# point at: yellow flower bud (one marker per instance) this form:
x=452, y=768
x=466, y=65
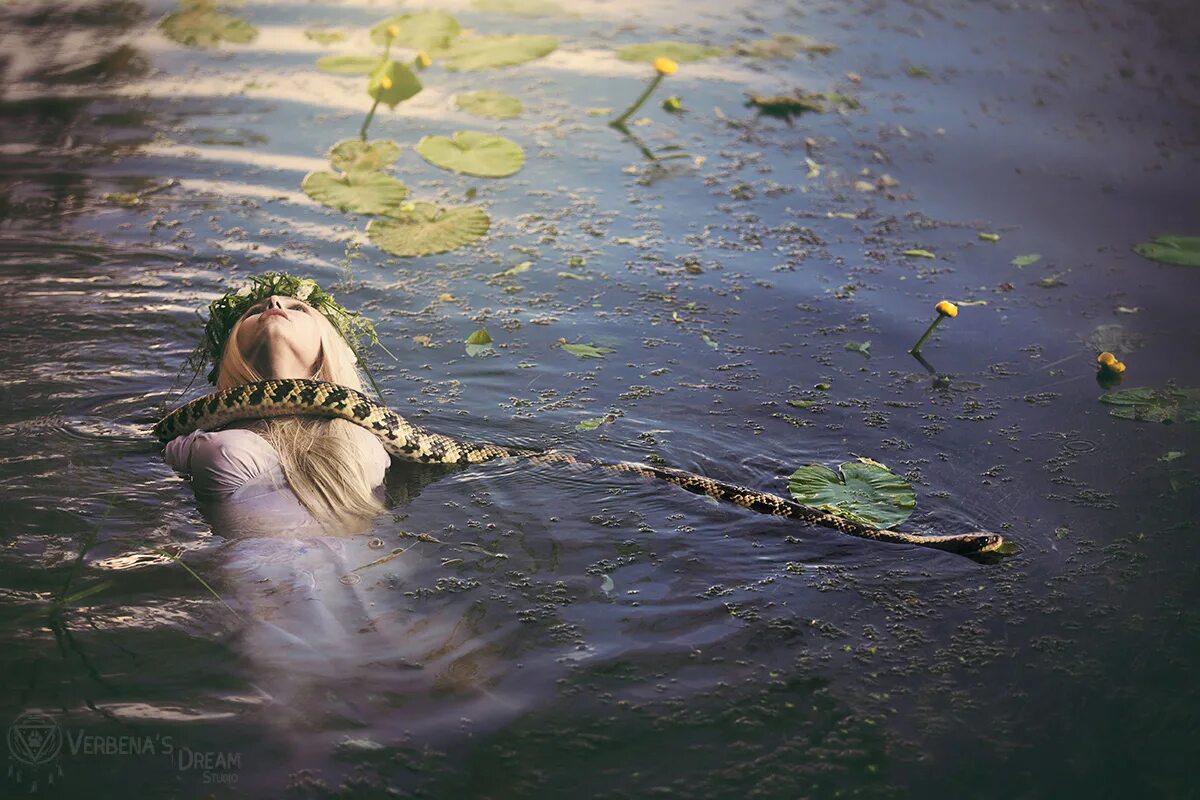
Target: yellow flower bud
x=423, y=59
x=665, y=66
x=946, y=309
x=393, y=31
x=385, y=82
x=1106, y=359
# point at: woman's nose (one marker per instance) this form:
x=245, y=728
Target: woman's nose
x=274, y=301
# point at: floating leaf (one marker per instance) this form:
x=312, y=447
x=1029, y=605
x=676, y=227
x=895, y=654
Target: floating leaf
x=1051, y=282
x=198, y=24
x=1026, y=260
x=519, y=8
x=516, y=270
x=676, y=51
x=859, y=347
x=989, y=237
x=587, y=350
x=708, y=340
x=392, y=83
x=487, y=52
x=1145, y=404
x=783, y=46
x=351, y=155
x=324, y=37
x=918, y=72
x=1171, y=455
x=425, y=229
x=473, y=153
x=919, y=254
x=1127, y=309
x=478, y=342
x=865, y=491
x=1183, y=251
x=494, y=105
x=1115, y=339
x=595, y=422
x=423, y=30
x=355, y=192
x=348, y=65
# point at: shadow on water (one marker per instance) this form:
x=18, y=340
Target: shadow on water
x=517, y=631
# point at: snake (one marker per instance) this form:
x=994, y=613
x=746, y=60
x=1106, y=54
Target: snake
x=406, y=441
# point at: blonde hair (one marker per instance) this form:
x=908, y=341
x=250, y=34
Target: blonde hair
x=321, y=458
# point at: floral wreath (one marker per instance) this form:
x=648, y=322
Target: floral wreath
x=224, y=313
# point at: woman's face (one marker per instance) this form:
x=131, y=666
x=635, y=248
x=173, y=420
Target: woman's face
x=281, y=337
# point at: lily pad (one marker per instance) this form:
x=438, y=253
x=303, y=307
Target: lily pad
x=487, y=52
x=864, y=491
x=473, y=153
x=392, y=83
x=676, y=51
x=487, y=103
x=478, y=343
x=423, y=30
x=859, y=347
x=1115, y=339
x=1183, y=251
x=1026, y=260
x=199, y=24
x=587, y=350
x=424, y=229
x=348, y=65
x=519, y=8
x=1146, y=404
x=324, y=37
x=350, y=155
x=783, y=46
x=358, y=192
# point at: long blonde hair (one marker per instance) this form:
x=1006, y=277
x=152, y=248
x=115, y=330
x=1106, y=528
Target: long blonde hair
x=321, y=458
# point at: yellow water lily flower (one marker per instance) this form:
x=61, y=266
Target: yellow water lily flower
x=665, y=66
x=423, y=59
x=946, y=308
x=1106, y=359
x=385, y=82
x=393, y=31
x=1118, y=367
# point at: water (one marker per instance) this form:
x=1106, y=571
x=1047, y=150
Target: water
x=599, y=635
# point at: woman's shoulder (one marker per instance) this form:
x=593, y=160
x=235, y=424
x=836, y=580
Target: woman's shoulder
x=220, y=462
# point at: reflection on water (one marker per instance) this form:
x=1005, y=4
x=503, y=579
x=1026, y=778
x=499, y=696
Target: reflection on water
x=513, y=630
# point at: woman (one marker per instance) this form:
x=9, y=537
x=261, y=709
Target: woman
x=290, y=474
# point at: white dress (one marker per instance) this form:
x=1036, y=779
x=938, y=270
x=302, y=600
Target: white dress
x=239, y=481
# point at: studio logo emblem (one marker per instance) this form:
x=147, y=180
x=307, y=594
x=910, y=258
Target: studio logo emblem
x=34, y=742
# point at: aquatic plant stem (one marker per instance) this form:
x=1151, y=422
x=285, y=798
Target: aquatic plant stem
x=916, y=348
x=619, y=122
x=362, y=134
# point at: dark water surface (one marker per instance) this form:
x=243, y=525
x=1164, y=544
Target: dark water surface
x=633, y=640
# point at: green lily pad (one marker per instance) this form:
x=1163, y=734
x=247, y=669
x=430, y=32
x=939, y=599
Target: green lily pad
x=198, y=24
x=324, y=37
x=1146, y=404
x=783, y=46
x=859, y=347
x=423, y=229
x=1183, y=251
x=355, y=155
x=404, y=83
x=487, y=52
x=519, y=8
x=865, y=491
x=473, y=153
x=676, y=51
x=348, y=65
x=423, y=30
x=478, y=343
x=587, y=350
x=1026, y=260
x=495, y=105
x=359, y=192
x=1115, y=339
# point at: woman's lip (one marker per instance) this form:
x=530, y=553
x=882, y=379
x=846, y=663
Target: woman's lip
x=271, y=312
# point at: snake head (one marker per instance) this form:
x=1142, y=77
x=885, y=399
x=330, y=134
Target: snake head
x=986, y=546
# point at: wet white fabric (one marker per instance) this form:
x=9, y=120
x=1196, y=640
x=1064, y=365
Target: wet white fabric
x=237, y=476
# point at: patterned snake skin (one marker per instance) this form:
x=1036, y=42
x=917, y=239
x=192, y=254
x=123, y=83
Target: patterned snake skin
x=409, y=442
